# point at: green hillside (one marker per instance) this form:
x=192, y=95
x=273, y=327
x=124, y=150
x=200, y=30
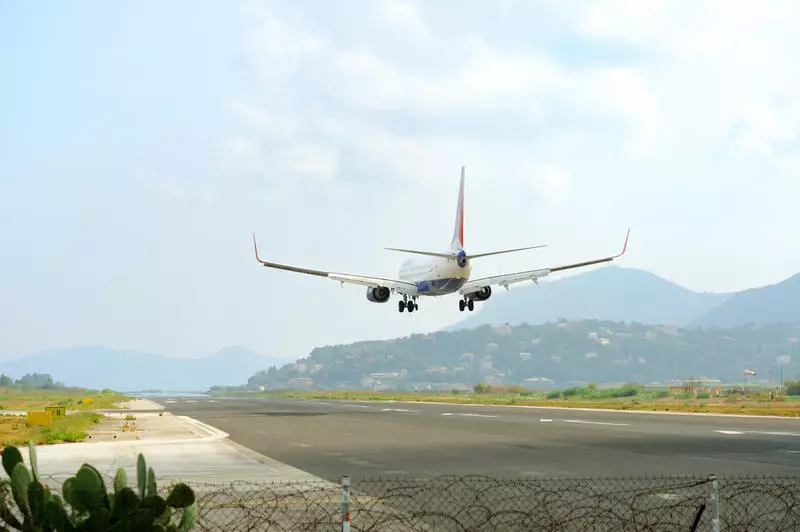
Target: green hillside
x=554, y=354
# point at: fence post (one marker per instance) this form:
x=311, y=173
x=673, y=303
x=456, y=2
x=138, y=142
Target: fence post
x=346, y=503
x=714, y=503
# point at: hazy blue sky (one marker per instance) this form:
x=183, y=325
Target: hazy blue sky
x=142, y=142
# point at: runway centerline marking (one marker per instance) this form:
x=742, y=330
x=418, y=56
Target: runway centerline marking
x=595, y=422
x=404, y=410
x=762, y=432
x=467, y=415
x=584, y=422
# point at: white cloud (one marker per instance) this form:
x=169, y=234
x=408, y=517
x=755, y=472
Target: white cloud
x=713, y=66
x=404, y=15
x=355, y=81
x=319, y=162
x=554, y=184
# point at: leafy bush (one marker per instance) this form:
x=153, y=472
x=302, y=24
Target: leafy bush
x=86, y=504
x=481, y=388
x=792, y=388
x=661, y=394
x=624, y=392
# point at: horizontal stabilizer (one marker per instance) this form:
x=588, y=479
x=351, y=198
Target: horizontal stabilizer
x=478, y=255
x=453, y=254
x=428, y=253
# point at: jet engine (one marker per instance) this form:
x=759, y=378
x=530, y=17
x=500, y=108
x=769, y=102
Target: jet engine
x=482, y=295
x=461, y=259
x=378, y=294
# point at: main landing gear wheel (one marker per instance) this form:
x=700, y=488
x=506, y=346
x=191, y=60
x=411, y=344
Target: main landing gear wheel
x=410, y=305
x=470, y=304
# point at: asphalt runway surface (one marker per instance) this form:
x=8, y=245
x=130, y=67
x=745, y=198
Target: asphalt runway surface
x=378, y=439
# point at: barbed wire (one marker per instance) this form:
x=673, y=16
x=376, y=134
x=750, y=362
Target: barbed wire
x=467, y=503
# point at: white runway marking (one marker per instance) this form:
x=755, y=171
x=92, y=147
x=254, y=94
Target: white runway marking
x=763, y=432
x=191, y=401
x=356, y=406
x=594, y=422
x=468, y=415
x=400, y=410
x=581, y=421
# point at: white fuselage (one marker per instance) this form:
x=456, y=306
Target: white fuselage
x=435, y=276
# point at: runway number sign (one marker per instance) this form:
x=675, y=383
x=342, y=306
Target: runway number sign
x=56, y=411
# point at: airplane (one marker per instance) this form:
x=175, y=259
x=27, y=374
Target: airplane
x=440, y=273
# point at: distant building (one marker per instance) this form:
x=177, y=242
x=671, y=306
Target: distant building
x=300, y=383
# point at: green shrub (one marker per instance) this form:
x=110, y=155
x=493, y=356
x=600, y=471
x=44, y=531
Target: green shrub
x=86, y=504
x=481, y=388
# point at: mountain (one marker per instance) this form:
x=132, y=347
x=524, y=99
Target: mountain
x=609, y=293
x=776, y=303
x=554, y=354
x=99, y=367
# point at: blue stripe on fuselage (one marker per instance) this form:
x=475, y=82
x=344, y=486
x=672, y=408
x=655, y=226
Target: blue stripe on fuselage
x=439, y=287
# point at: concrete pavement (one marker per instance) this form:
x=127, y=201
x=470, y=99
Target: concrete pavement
x=177, y=447
x=335, y=438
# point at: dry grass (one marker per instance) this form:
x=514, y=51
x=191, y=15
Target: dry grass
x=757, y=406
x=14, y=430
x=14, y=399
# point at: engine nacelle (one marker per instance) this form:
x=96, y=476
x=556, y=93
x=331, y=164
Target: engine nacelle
x=378, y=294
x=481, y=295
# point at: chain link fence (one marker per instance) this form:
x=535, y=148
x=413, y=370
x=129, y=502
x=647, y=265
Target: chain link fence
x=480, y=503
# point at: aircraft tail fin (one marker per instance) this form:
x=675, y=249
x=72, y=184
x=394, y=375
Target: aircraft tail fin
x=457, y=243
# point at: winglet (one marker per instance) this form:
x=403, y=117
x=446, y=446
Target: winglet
x=255, y=247
x=626, y=244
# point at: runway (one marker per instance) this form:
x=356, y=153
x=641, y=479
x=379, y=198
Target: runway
x=376, y=439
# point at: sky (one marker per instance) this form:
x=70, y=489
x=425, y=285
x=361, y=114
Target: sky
x=143, y=143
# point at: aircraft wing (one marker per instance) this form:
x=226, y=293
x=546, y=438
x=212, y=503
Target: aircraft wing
x=532, y=275
x=402, y=287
